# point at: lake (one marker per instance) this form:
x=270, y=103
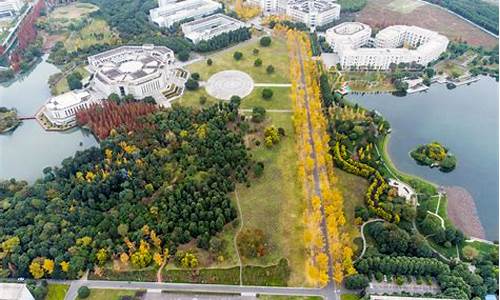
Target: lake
x=465, y=120
x=25, y=151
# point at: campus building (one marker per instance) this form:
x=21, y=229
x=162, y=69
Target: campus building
x=9, y=8
x=313, y=13
x=140, y=71
x=170, y=12
x=61, y=109
x=206, y=28
x=392, y=45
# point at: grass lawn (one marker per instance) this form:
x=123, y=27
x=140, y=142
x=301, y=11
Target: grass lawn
x=73, y=11
x=368, y=81
x=353, y=189
x=274, y=202
x=483, y=248
x=280, y=99
x=56, y=291
x=276, y=55
x=91, y=35
x=349, y=297
x=450, y=67
x=277, y=297
x=62, y=85
x=99, y=294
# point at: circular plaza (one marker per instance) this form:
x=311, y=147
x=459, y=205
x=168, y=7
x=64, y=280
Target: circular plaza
x=225, y=84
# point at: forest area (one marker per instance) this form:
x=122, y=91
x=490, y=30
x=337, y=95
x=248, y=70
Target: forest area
x=145, y=191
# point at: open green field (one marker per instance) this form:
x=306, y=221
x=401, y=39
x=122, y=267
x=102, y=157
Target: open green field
x=100, y=294
x=353, y=189
x=56, y=291
x=451, y=68
x=96, y=32
x=277, y=193
x=404, y=6
x=62, y=85
x=368, y=81
x=276, y=54
x=280, y=99
x=73, y=11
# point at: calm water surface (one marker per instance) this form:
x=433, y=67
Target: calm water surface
x=27, y=150
x=465, y=120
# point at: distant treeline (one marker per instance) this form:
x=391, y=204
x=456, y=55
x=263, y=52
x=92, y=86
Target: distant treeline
x=480, y=12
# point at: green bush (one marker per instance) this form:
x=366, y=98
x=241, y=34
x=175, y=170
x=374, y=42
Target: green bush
x=257, y=62
x=267, y=94
x=265, y=41
x=238, y=55
x=83, y=292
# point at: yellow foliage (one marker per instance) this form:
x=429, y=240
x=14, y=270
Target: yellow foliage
x=64, y=266
x=36, y=269
x=48, y=265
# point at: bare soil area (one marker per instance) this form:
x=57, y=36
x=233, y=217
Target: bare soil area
x=463, y=213
x=383, y=13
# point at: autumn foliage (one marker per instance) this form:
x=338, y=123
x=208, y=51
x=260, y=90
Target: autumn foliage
x=101, y=119
x=327, y=241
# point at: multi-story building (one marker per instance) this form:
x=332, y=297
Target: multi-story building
x=9, y=8
x=132, y=70
x=209, y=27
x=139, y=71
x=392, y=45
x=14, y=291
x=170, y=12
x=61, y=109
x=354, y=34
x=313, y=12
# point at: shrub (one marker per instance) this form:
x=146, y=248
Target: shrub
x=238, y=55
x=252, y=243
x=258, y=114
x=210, y=61
x=265, y=41
x=203, y=100
x=258, y=169
x=470, y=253
x=183, y=56
x=257, y=62
x=83, y=292
x=267, y=93
x=270, y=69
x=195, y=76
x=255, y=51
x=356, y=282
x=192, y=84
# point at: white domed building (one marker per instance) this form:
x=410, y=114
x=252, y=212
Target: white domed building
x=139, y=71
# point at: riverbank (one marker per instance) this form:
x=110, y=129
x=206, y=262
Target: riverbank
x=462, y=212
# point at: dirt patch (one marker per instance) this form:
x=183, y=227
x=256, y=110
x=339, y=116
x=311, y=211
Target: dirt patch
x=382, y=13
x=463, y=213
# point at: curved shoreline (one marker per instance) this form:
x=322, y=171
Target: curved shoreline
x=474, y=229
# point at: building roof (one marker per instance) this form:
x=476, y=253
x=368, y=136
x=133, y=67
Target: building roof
x=67, y=100
x=210, y=26
x=12, y=291
x=308, y=6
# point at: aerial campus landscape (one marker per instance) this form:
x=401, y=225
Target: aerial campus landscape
x=249, y=149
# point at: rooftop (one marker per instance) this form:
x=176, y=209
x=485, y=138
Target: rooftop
x=67, y=100
x=12, y=291
x=312, y=5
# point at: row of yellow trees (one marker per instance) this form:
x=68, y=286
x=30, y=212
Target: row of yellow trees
x=325, y=213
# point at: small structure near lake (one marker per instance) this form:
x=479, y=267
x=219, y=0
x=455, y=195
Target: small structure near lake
x=404, y=191
x=434, y=155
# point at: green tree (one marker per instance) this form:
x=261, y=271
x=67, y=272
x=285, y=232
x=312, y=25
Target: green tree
x=265, y=41
x=267, y=94
x=83, y=292
x=270, y=69
x=238, y=55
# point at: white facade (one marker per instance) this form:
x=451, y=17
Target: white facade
x=139, y=71
x=354, y=34
x=313, y=12
x=9, y=8
x=209, y=27
x=61, y=109
x=14, y=291
x=392, y=45
x=170, y=12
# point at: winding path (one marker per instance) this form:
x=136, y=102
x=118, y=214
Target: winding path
x=236, y=236
x=364, y=238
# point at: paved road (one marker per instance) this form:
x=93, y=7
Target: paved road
x=187, y=287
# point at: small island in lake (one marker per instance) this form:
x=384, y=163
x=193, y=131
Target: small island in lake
x=434, y=155
x=8, y=119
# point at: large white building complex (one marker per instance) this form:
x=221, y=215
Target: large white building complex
x=140, y=71
x=9, y=8
x=311, y=12
x=15, y=291
x=206, y=28
x=392, y=45
x=170, y=12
